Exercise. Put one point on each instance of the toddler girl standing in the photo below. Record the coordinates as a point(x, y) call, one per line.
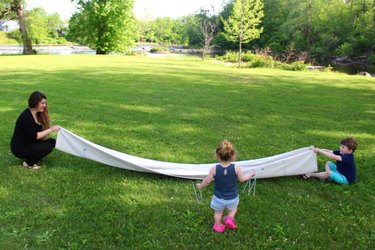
point(225, 196)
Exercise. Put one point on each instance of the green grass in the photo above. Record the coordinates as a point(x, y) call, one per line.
point(177, 110)
point(5, 40)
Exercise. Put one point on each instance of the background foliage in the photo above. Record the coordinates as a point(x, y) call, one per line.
point(323, 29)
point(320, 29)
point(104, 25)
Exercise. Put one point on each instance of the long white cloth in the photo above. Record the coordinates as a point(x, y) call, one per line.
point(295, 162)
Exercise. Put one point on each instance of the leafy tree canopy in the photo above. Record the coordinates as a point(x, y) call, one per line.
point(104, 25)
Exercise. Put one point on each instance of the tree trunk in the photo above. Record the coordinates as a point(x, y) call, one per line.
point(239, 54)
point(27, 46)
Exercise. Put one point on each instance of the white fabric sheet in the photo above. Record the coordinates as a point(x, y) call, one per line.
point(295, 162)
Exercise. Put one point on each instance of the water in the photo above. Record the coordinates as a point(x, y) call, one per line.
point(53, 50)
point(353, 69)
point(350, 69)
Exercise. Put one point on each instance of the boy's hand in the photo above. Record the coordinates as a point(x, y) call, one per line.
point(316, 150)
point(199, 185)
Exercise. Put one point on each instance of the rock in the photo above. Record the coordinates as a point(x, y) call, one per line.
point(342, 60)
point(364, 74)
point(316, 67)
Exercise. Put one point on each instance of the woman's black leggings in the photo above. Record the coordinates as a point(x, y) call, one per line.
point(33, 153)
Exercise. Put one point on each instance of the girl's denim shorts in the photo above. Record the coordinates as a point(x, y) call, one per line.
point(219, 204)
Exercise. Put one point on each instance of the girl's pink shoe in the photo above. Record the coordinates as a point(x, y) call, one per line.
point(220, 228)
point(229, 221)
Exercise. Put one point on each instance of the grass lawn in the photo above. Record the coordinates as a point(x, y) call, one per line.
point(178, 110)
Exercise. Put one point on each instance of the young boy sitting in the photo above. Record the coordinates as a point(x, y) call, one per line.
point(344, 172)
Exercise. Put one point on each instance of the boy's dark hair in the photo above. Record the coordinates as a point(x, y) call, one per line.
point(350, 142)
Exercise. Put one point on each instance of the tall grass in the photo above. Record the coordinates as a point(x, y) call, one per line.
point(177, 110)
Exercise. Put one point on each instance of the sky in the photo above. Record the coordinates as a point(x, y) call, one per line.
point(142, 8)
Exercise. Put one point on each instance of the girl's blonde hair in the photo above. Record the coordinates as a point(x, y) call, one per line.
point(225, 151)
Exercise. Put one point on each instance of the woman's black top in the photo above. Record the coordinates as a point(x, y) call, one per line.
point(25, 131)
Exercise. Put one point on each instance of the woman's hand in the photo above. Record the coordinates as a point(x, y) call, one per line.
point(46, 132)
point(54, 128)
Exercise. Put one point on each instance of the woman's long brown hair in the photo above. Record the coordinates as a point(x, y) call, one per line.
point(43, 117)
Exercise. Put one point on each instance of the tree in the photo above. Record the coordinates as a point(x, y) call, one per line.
point(105, 25)
point(209, 32)
point(180, 29)
point(37, 25)
point(272, 36)
point(363, 34)
point(143, 28)
point(208, 29)
point(162, 28)
point(242, 24)
point(191, 23)
point(55, 24)
point(13, 9)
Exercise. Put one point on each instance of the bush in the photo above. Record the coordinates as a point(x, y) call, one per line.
point(14, 35)
point(228, 57)
point(371, 58)
point(6, 39)
point(247, 57)
point(61, 40)
point(294, 66)
point(158, 49)
point(260, 61)
point(47, 40)
point(345, 49)
point(138, 53)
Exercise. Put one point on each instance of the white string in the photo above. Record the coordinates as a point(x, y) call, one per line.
point(199, 196)
point(251, 184)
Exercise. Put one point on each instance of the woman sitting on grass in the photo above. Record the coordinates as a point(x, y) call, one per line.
point(30, 140)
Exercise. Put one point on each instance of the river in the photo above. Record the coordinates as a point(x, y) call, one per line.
point(351, 69)
point(53, 50)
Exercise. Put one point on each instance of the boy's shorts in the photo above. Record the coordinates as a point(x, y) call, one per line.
point(219, 204)
point(336, 176)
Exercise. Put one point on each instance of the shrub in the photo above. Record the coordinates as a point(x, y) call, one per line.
point(47, 40)
point(158, 49)
point(345, 49)
point(14, 35)
point(294, 66)
point(371, 58)
point(260, 61)
point(247, 57)
point(229, 56)
point(138, 53)
point(61, 40)
point(6, 39)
